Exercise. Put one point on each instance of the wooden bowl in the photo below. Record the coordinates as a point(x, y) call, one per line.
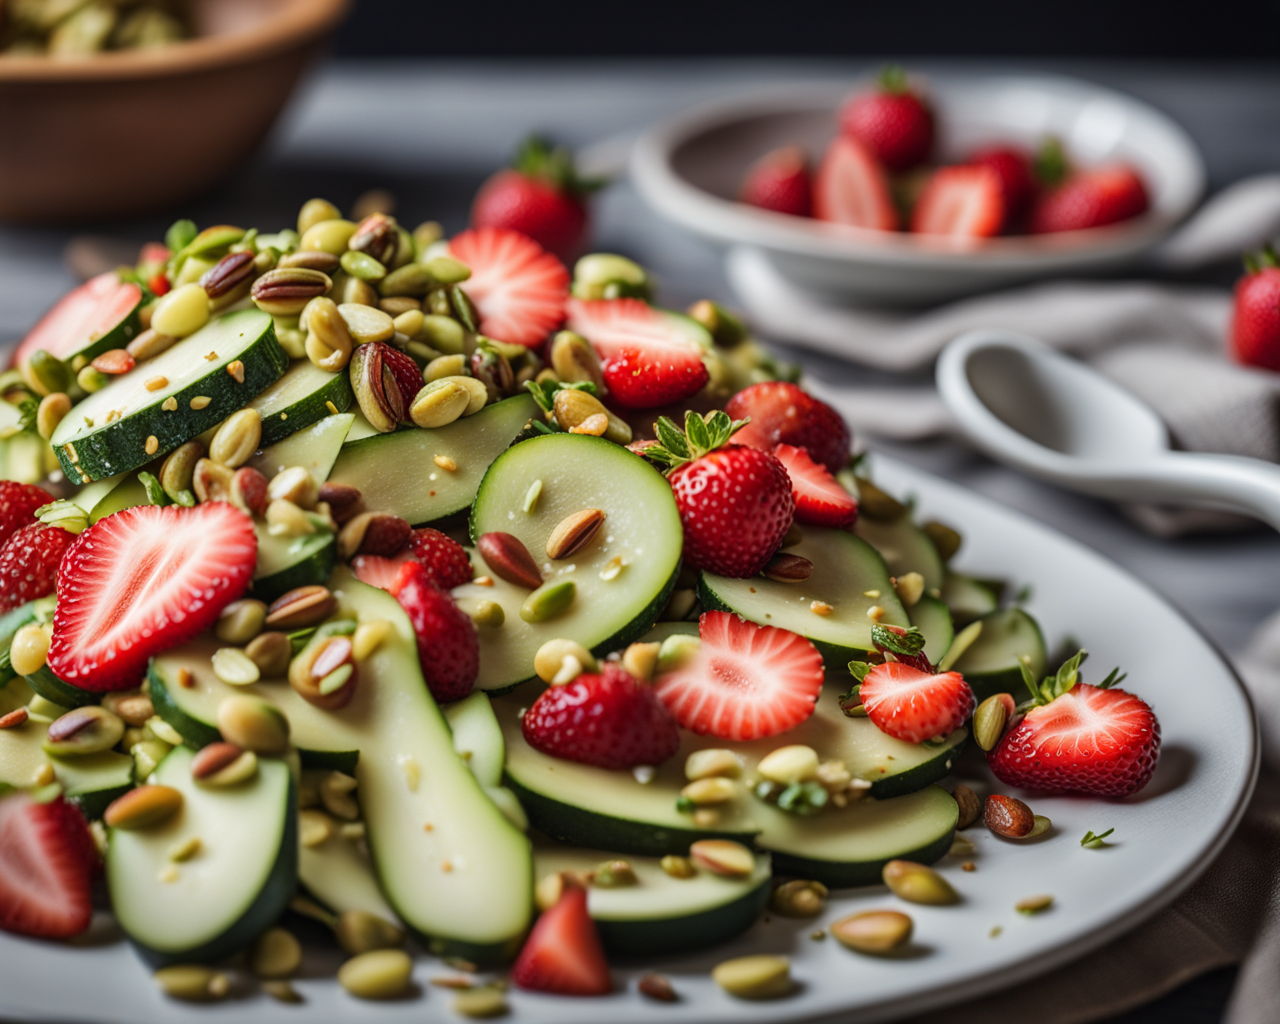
point(131, 132)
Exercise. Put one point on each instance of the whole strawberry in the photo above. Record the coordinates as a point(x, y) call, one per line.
point(1077, 738)
point(610, 720)
point(29, 563)
point(783, 413)
point(893, 122)
point(18, 504)
point(1091, 199)
point(448, 648)
point(540, 196)
point(735, 502)
point(781, 181)
point(1255, 319)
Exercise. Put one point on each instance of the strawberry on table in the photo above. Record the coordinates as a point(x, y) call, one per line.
point(29, 562)
point(746, 682)
point(735, 502)
point(646, 361)
point(1091, 199)
point(820, 500)
point(1077, 738)
point(141, 581)
point(893, 122)
point(781, 181)
point(1255, 318)
point(784, 413)
point(47, 866)
point(18, 504)
point(961, 202)
point(541, 196)
point(448, 648)
point(610, 720)
point(518, 288)
point(852, 188)
point(563, 954)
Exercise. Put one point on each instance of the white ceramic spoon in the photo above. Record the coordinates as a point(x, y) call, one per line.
point(1031, 407)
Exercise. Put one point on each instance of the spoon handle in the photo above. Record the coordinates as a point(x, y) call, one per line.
point(1250, 485)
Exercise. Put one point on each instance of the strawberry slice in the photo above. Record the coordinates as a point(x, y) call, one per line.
point(80, 317)
point(646, 360)
point(47, 865)
point(819, 499)
point(563, 953)
point(448, 647)
point(852, 188)
point(519, 289)
point(904, 702)
point(746, 682)
point(380, 572)
point(141, 581)
point(783, 413)
point(780, 181)
point(961, 202)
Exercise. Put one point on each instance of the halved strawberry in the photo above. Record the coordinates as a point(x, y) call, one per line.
point(852, 188)
point(448, 648)
point(80, 317)
point(746, 682)
point(563, 954)
point(784, 413)
point(780, 181)
point(646, 359)
point(912, 705)
point(18, 503)
point(378, 571)
point(819, 499)
point(141, 581)
point(519, 289)
point(961, 202)
point(47, 865)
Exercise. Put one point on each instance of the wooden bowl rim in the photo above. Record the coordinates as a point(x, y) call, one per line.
point(296, 24)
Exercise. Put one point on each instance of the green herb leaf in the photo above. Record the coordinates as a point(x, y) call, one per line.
point(181, 233)
point(27, 410)
point(1095, 842)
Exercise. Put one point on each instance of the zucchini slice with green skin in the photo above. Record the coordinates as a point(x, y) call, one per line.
point(300, 398)
point(397, 472)
point(107, 433)
point(288, 562)
point(933, 619)
point(477, 739)
point(594, 807)
point(315, 448)
point(51, 688)
point(91, 781)
point(847, 848)
point(236, 885)
point(569, 473)
point(904, 547)
point(968, 598)
point(25, 457)
point(14, 694)
point(990, 665)
point(466, 883)
point(126, 494)
point(662, 915)
point(848, 574)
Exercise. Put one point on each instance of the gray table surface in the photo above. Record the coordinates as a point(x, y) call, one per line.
point(431, 131)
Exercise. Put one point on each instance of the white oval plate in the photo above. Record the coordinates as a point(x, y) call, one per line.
point(1164, 837)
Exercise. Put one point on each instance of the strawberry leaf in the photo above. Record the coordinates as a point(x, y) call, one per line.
point(1114, 678)
point(701, 434)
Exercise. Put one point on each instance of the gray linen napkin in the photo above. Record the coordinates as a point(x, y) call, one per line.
point(1165, 342)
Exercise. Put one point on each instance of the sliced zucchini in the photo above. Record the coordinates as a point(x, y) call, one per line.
point(465, 882)
point(300, 398)
point(905, 548)
point(848, 575)
point(662, 915)
point(288, 562)
point(968, 598)
point(51, 688)
point(232, 888)
point(25, 456)
point(933, 619)
point(90, 780)
point(108, 432)
point(125, 494)
point(14, 693)
point(477, 739)
point(316, 448)
point(398, 473)
point(990, 665)
point(569, 473)
point(582, 805)
point(847, 848)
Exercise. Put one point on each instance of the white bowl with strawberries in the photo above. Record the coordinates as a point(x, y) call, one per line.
point(905, 190)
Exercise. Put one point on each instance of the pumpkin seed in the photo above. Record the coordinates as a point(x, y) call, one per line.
point(234, 667)
point(237, 439)
point(192, 982)
point(275, 954)
point(363, 266)
point(182, 311)
point(439, 404)
point(379, 974)
point(548, 601)
point(755, 977)
point(253, 724)
point(917, 883)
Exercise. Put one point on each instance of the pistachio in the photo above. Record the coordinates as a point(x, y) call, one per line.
point(367, 324)
point(192, 982)
point(249, 491)
point(574, 359)
point(351, 291)
point(214, 758)
point(712, 762)
point(480, 1002)
point(329, 342)
point(799, 898)
point(149, 344)
point(275, 954)
point(657, 987)
point(605, 275)
point(549, 601)
point(329, 236)
point(359, 931)
point(158, 728)
point(91, 379)
point(285, 519)
point(789, 765)
point(726, 329)
point(714, 789)
point(990, 719)
point(873, 931)
point(475, 388)
point(1009, 817)
point(379, 974)
point(343, 500)
point(300, 608)
point(447, 270)
point(324, 673)
point(53, 407)
point(788, 568)
point(295, 484)
point(286, 290)
point(409, 322)
point(508, 559)
point(678, 650)
point(439, 403)
point(180, 313)
point(614, 874)
point(86, 730)
point(178, 470)
point(549, 889)
point(412, 279)
point(571, 408)
point(311, 259)
point(143, 807)
point(253, 724)
point(211, 481)
point(641, 660)
point(553, 655)
point(397, 305)
point(488, 613)
point(271, 652)
point(969, 804)
point(910, 588)
point(493, 369)
point(917, 883)
point(1033, 905)
point(231, 272)
point(443, 367)
point(755, 977)
point(237, 439)
point(375, 236)
point(375, 388)
point(722, 857)
point(315, 828)
point(443, 333)
point(574, 532)
point(234, 667)
point(315, 211)
point(677, 867)
point(363, 266)
point(29, 649)
point(373, 533)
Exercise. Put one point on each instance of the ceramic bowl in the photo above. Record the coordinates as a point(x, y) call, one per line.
point(690, 168)
point(129, 132)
